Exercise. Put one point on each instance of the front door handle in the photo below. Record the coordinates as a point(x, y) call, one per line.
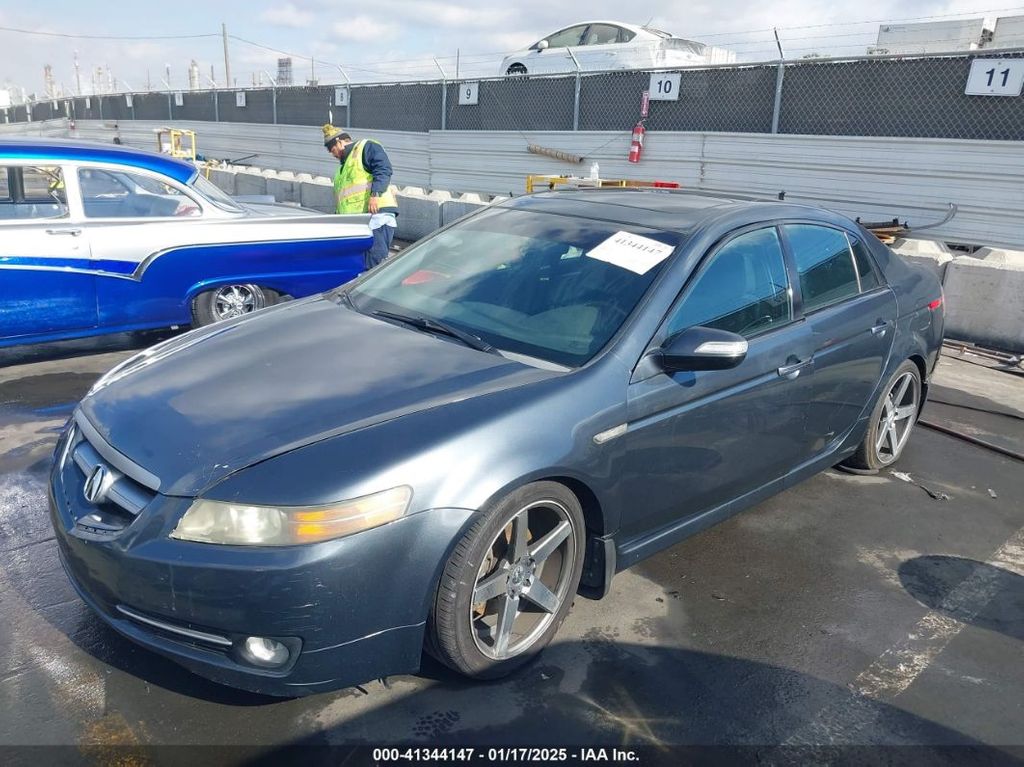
point(879, 329)
point(792, 370)
point(68, 232)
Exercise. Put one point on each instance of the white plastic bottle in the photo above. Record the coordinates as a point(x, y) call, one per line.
point(595, 171)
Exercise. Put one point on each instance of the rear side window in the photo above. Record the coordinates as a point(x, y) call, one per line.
point(824, 263)
point(744, 289)
point(32, 192)
point(5, 186)
point(865, 270)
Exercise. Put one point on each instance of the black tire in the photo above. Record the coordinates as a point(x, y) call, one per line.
point(869, 457)
point(204, 306)
point(516, 69)
point(454, 624)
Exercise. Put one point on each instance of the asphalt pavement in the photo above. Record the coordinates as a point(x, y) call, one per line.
point(884, 609)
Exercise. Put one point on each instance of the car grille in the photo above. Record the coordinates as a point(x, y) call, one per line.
point(110, 493)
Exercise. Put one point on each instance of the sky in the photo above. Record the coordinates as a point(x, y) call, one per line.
point(388, 40)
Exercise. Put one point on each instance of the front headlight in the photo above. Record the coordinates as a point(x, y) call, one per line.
point(239, 524)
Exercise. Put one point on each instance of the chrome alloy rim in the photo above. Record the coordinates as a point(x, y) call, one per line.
point(236, 300)
point(897, 419)
point(523, 580)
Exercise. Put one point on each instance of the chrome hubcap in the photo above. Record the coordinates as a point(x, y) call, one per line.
point(236, 300)
point(897, 419)
point(523, 580)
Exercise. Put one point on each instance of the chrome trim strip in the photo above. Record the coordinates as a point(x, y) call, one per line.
point(610, 434)
point(202, 636)
point(114, 458)
point(68, 270)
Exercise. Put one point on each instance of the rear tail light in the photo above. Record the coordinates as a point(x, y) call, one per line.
point(935, 304)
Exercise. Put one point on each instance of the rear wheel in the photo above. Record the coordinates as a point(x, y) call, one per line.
point(230, 301)
point(891, 422)
point(509, 583)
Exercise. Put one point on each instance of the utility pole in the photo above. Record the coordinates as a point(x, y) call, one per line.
point(78, 77)
point(227, 63)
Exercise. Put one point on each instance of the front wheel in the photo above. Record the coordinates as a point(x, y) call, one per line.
point(509, 583)
point(516, 69)
point(229, 301)
point(891, 422)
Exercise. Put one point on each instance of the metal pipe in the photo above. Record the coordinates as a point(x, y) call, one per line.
point(973, 440)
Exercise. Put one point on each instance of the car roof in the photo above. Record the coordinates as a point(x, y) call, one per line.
point(667, 210)
point(65, 150)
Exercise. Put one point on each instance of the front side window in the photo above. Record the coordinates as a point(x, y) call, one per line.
point(566, 37)
point(32, 192)
point(824, 263)
point(110, 193)
point(551, 287)
point(744, 289)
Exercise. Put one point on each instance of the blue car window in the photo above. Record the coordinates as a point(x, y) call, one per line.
point(825, 264)
point(865, 270)
point(32, 192)
point(122, 194)
point(744, 289)
point(5, 186)
point(552, 287)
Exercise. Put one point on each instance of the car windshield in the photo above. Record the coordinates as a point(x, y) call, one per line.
point(551, 287)
point(211, 192)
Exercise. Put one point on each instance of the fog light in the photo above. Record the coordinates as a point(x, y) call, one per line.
point(261, 651)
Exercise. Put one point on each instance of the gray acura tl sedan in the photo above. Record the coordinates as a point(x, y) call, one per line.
point(441, 453)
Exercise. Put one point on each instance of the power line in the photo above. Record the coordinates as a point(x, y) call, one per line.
point(104, 37)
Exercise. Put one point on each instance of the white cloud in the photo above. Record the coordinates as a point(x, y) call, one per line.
point(287, 15)
point(365, 29)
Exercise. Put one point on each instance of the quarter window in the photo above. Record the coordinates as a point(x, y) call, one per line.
point(743, 290)
point(121, 194)
point(868, 277)
point(824, 263)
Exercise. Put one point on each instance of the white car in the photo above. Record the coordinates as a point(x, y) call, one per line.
point(602, 45)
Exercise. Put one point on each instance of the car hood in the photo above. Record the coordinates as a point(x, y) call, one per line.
point(215, 401)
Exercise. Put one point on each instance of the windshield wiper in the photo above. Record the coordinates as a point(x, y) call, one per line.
point(437, 326)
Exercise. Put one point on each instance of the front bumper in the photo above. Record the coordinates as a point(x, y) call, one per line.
point(350, 610)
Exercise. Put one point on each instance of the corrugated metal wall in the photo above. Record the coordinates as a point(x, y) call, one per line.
point(874, 178)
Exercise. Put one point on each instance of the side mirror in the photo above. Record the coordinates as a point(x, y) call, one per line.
point(701, 348)
point(541, 46)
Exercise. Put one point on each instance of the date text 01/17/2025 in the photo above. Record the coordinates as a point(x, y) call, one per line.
point(514, 754)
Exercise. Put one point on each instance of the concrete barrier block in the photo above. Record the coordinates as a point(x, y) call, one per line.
point(1000, 255)
point(223, 179)
point(284, 189)
point(931, 254)
point(318, 194)
point(452, 210)
point(985, 302)
point(419, 214)
point(250, 181)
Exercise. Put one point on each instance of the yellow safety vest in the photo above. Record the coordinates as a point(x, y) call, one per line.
point(352, 185)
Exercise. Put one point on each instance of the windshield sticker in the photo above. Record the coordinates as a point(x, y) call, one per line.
point(631, 251)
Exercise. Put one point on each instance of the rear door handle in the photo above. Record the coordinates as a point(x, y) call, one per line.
point(792, 370)
point(68, 232)
point(879, 329)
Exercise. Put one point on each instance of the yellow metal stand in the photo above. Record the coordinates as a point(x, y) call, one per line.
point(172, 141)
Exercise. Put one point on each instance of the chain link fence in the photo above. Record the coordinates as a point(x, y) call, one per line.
point(910, 96)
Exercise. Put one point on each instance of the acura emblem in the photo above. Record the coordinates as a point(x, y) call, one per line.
point(95, 486)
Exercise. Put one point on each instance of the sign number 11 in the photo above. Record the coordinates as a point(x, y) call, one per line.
point(995, 77)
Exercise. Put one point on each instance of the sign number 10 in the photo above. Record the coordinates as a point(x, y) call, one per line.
point(664, 86)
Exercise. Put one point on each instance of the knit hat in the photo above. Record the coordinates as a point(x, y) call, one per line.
point(332, 133)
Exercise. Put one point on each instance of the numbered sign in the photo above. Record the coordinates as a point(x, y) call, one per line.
point(341, 97)
point(88, 103)
point(240, 98)
point(995, 77)
point(128, 100)
point(664, 86)
point(469, 93)
point(179, 99)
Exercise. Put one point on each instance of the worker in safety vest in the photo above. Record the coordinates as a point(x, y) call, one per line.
point(363, 185)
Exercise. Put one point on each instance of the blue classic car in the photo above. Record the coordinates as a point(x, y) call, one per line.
point(101, 239)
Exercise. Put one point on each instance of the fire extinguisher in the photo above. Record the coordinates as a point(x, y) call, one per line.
point(636, 146)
